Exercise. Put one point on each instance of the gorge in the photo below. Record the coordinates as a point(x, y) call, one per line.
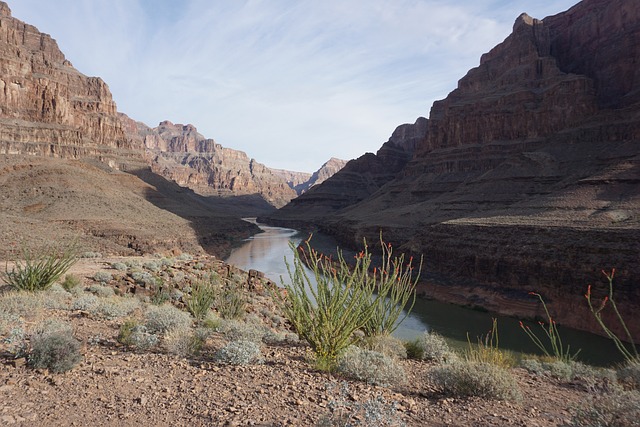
point(525, 178)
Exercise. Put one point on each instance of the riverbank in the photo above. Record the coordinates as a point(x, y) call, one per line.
point(455, 311)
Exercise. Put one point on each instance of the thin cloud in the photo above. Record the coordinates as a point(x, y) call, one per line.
point(292, 83)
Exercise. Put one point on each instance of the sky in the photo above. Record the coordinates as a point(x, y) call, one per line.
point(290, 82)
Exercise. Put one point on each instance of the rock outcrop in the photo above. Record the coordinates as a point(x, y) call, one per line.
point(301, 182)
point(48, 108)
point(178, 152)
point(526, 176)
point(354, 182)
point(295, 180)
point(67, 164)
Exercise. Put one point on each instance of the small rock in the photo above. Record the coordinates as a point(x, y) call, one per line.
point(19, 362)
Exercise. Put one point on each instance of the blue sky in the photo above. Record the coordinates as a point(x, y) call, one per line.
point(291, 83)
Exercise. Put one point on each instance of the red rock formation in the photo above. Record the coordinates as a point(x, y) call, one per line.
point(356, 181)
point(295, 180)
point(527, 175)
point(48, 107)
point(178, 152)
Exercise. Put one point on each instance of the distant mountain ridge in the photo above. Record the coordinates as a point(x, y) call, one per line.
point(48, 108)
point(301, 182)
point(525, 177)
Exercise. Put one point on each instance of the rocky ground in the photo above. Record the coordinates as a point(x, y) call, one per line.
point(45, 200)
point(119, 385)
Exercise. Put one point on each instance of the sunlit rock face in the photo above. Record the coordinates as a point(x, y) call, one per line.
point(178, 152)
point(48, 108)
point(525, 177)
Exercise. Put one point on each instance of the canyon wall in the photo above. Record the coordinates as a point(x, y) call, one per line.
point(48, 108)
point(179, 153)
point(525, 178)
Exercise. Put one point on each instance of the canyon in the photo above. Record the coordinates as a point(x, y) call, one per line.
point(526, 177)
point(73, 163)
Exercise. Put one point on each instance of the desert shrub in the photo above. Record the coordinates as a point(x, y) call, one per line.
point(629, 374)
point(153, 266)
point(485, 380)
point(236, 330)
point(344, 411)
point(176, 295)
point(49, 326)
point(143, 278)
point(435, 348)
point(132, 263)
point(70, 281)
point(57, 351)
point(628, 349)
point(555, 368)
point(102, 276)
point(133, 334)
point(487, 349)
point(167, 262)
point(413, 349)
point(163, 318)
point(26, 305)
point(370, 366)
point(185, 257)
point(87, 302)
point(337, 300)
point(161, 293)
point(185, 342)
point(385, 344)
point(101, 291)
point(395, 284)
point(178, 277)
point(203, 295)
point(617, 409)
point(56, 298)
point(274, 337)
point(90, 254)
point(556, 348)
point(230, 302)
point(590, 377)
point(38, 271)
point(239, 353)
point(116, 307)
point(120, 266)
point(15, 339)
point(125, 332)
point(53, 347)
point(212, 321)
point(7, 321)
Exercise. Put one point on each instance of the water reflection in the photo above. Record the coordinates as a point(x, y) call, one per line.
point(267, 251)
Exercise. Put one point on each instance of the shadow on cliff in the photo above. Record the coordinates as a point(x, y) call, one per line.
point(216, 220)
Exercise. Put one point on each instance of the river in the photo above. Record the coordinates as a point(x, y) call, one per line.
point(267, 251)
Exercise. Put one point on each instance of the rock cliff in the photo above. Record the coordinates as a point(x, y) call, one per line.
point(59, 133)
point(524, 178)
point(48, 108)
point(354, 182)
point(178, 152)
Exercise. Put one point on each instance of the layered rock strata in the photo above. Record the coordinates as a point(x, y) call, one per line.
point(48, 108)
point(354, 182)
point(301, 182)
point(526, 177)
point(179, 153)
